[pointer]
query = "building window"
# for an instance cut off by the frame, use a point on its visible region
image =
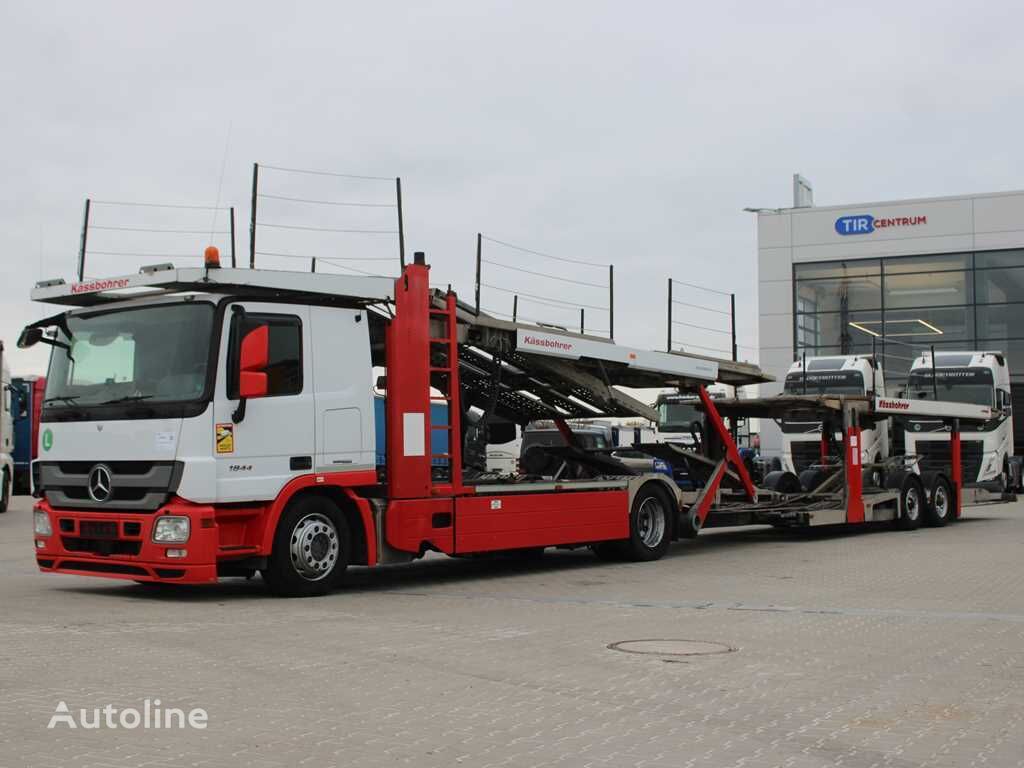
(902, 306)
(996, 286)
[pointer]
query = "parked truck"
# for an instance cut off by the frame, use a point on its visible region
(221, 422)
(978, 377)
(206, 422)
(802, 444)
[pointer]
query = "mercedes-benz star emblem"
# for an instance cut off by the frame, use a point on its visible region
(99, 483)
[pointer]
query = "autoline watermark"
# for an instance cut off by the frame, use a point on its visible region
(150, 716)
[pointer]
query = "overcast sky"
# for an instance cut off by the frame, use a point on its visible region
(625, 133)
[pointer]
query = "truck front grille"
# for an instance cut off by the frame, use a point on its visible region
(135, 486)
(935, 457)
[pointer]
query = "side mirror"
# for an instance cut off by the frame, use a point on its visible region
(30, 337)
(253, 357)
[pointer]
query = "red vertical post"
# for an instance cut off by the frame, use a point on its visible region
(854, 475)
(823, 447)
(407, 345)
(956, 467)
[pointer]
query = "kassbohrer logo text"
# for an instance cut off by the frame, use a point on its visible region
(549, 343)
(98, 285)
(896, 405)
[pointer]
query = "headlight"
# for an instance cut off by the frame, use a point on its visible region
(42, 523)
(171, 530)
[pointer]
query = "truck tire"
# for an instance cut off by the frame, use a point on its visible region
(941, 500)
(912, 503)
(650, 525)
(783, 482)
(5, 491)
(312, 546)
(812, 478)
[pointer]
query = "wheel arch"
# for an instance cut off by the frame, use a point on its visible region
(669, 491)
(355, 508)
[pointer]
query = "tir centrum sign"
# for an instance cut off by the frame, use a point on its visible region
(865, 224)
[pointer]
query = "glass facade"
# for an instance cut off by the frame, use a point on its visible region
(901, 306)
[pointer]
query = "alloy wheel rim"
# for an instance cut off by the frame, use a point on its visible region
(314, 547)
(650, 523)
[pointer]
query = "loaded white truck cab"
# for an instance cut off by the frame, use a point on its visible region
(836, 375)
(681, 421)
(973, 377)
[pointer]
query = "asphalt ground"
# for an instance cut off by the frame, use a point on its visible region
(853, 648)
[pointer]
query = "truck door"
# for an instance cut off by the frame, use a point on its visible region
(259, 451)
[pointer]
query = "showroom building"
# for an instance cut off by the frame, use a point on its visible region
(895, 278)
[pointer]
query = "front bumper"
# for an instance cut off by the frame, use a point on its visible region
(119, 545)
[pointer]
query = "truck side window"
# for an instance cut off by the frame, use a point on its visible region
(284, 367)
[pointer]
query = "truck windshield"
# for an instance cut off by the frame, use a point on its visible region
(153, 354)
(678, 417)
(958, 386)
(832, 383)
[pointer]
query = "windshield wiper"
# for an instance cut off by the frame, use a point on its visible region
(126, 399)
(67, 399)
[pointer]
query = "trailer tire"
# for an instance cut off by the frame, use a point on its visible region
(941, 500)
(782, 482)
(312, 547)
(912, 503)
(650, 525)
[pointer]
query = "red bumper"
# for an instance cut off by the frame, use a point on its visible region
(121, 546)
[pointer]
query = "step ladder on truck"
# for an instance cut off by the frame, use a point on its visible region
(203, 422)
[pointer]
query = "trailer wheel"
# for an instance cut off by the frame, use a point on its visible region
(650, 530)
(311, 551)
(941, 500)
(912, 503)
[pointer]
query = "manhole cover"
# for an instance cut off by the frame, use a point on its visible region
(671, 647)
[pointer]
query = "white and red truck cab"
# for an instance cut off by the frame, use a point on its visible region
(979, 377)
(202, 422)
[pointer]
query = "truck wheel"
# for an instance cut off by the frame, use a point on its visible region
(941, 501)
(783, 482)
(5, 492)
(311, 550)
(812, 478)
(650, 529)
(912, 503)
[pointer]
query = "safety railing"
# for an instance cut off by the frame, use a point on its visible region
(578, 276)
(362, 217)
